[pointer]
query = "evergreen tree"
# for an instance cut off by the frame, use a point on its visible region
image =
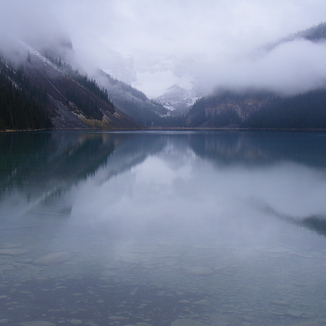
(22, 106)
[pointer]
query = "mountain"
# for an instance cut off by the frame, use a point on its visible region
(225, 109)
(314, 34)
(177, 100)
(22, 105)
(131, 101)
(40, 89)
(124, 97)
(258, 109)
(43, 93)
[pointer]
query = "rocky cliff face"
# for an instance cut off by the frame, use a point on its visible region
(258, 110)
(226, 109)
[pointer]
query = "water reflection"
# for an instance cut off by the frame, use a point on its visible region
(163, 228)
(262, 147)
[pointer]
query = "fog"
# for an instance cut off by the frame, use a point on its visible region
(205, 44)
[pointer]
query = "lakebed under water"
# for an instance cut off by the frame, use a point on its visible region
(163, 228)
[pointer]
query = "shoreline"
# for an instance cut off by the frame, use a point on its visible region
(164, 129)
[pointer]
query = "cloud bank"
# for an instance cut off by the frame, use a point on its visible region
(154, 44)
(291, 68)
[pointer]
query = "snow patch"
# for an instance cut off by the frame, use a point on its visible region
(37, 54)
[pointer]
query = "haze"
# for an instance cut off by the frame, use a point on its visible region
(153, 45)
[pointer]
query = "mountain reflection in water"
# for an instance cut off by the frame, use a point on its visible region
(162, 228)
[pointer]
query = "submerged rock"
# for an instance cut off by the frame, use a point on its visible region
(54, 258)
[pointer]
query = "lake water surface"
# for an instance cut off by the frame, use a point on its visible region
(163, 228)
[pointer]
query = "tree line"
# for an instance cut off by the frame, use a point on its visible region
(82, 79)
(304, 111)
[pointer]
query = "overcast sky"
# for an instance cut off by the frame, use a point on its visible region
(156, 43)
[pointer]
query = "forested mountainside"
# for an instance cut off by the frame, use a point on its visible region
(259, 110)
(313, 34)
(262, 109)
(22, 105)
(316, 33)
(225, 109)
(132, 102)
(37, 93)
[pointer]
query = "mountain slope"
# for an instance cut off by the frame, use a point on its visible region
(22, 105)
(312, 34)
(315, 33)
(177, 100)
(125, 98)
(226, 109)
(131, 101)
(72, 100)
(257, 109)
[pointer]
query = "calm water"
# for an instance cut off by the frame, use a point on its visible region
(180, 229)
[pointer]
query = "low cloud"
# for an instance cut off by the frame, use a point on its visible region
(155, 44)
(290, 68)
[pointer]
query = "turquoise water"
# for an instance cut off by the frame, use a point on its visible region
(163, 228)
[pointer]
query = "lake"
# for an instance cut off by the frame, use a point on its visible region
(163, 228)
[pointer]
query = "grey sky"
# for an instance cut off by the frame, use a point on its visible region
(158, 43)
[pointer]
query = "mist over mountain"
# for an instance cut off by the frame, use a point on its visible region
(40, 91)
(142, 43)
(259, 110)
(131, 101)
(135, 52)
(263, 107)
(178, 100)
(314, 34)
